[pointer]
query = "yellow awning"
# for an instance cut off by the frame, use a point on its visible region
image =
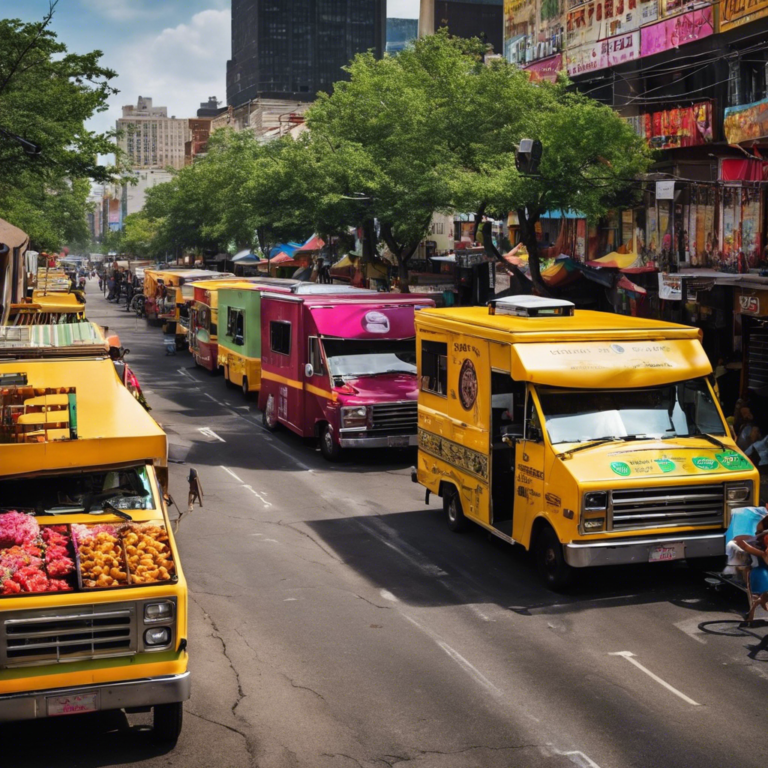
(610, 365)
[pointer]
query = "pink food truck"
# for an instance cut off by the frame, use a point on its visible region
(341, 368)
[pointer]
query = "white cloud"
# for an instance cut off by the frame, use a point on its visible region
(403, 9)
(178, 68)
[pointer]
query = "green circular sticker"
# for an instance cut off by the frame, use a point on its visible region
(702, 462)
(665, 465)
(620, 468)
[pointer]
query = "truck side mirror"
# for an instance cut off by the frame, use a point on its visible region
(309, 371)
(534, 434)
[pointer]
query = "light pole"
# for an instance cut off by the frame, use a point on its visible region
(427, 18)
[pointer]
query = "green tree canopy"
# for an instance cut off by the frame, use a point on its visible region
(46, 96)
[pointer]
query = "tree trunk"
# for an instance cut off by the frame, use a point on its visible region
(369, 242)
(528, 232)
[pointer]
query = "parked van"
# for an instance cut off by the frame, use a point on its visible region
(589, 438)
(93, 601)
(340, 367)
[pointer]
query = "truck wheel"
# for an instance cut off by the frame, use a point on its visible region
(330, 449)
(227, 380)
(246, 390)
(454, 514)
(167, 722)
(268, 417)
(550, 561)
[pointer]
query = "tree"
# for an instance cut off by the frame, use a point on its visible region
(392, 129)
(591, 157)
(46, 96)
(140, 236)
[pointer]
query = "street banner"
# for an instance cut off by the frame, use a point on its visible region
(747, 122)
(546, 69)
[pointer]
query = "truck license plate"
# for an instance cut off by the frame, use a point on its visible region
(667, 552)
(401, 441)
(72, 705)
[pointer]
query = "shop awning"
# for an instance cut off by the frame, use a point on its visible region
(282, 260)
(603, 365)
(12, 236)
(630, 263)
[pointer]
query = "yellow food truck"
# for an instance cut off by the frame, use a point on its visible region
(93, 601)
(588, 438)
(50, 309)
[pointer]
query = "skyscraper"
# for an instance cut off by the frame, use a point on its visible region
(465, 18)
(291, 49)
(150, 138)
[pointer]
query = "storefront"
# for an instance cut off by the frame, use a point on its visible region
(751, 305)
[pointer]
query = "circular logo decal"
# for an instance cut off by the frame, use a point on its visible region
(621, 468)
(665, 465)
(467, 385)
(702, 462)
(618, 349)
(376, 322)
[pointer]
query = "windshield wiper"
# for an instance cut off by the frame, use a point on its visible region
(722, 446)
(602, 441)
(107, 507)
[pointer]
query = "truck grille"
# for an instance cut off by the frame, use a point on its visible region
(669, 507)
(396, 418)
(52, 636)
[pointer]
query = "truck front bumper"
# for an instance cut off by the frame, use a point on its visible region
(32, 705)
(361, 440)
(625, 551)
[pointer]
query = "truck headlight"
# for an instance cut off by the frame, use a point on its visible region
(593, 524)
(354, 416)
(157, 636)
(596, 500)
(158, 612)
(738, 493)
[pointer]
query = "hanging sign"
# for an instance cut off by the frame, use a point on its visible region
(665, 190)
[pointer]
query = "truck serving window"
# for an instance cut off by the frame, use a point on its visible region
(434, 367)
(77, 492)
(280, 337)
(235, 327)
(683, 409)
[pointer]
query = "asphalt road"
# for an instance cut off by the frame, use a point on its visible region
(337, 622)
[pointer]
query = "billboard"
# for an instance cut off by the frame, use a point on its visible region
(677, 31)
(603, 54)
(734, 13)
(747, 122)
(601, 19)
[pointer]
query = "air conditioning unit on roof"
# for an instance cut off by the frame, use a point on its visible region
(531, 306)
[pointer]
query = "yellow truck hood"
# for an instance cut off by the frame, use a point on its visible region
(654, 458)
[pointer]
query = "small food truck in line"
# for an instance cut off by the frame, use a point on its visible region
(93, 601)
(48, 309)
(589, 438)
(340, 366)
(204, 320)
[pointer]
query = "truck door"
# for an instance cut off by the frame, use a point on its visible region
(529, 471)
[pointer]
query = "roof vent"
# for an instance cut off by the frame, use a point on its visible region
(530, 306)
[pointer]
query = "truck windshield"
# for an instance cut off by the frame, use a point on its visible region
(73, 492)
(348, 358)
(682, 409)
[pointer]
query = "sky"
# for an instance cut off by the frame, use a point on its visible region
(174, 51)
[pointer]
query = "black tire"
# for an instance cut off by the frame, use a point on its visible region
(330, 449)
(167, 722)
(554, 572)
(227, 380)
(246, 391)
(454, 514)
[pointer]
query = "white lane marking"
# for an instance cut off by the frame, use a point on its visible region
(290, 599)
(230, 472)
(184, 373)
(577, 758)
(630, 657)
(210, 397)
(208, 432)
(467, 666)
(255, 534)
(272, 541)
(387, 595)
(411, 554)
(691, 628)
(266, 504)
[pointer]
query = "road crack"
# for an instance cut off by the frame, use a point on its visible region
(426, 752)
(292, 526)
